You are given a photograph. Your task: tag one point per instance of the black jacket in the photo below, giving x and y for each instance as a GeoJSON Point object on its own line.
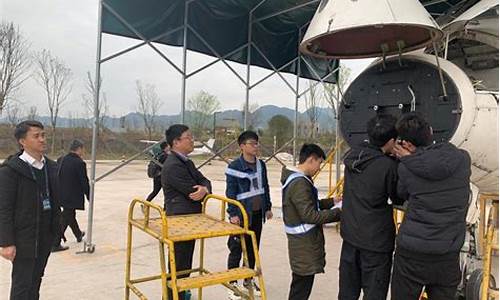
{"type": "Point", "coordinates": [436, 182]}
{"type": "Point", "coordinates": [178, 177]}
{"type": "Point", "coordinates": [74, 182]}
{"type": "Point", "coordinates": [20, 206]}
{"type": "Point", "coordinates": [370, 179]}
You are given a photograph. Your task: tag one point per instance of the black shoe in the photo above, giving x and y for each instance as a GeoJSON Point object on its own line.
{"type": "Point", "coordinates": [250, 283]}
{"type": "Point", "coordinates": [79, 238]}
{"type": "Point", "coordinates": [59, 248]}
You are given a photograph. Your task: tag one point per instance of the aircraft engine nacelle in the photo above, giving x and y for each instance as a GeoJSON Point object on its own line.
{"type": "Point", "coordinates": [462, 115]}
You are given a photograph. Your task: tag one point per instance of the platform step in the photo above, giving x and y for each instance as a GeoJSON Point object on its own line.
{"type": "Point", "coordinates": [214, 278]}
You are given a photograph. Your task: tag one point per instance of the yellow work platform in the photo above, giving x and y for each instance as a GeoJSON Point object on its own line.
{"type": "Point", "coordinates": [169, 230]}
{"type": "Point", "coordinates": [190, 227]}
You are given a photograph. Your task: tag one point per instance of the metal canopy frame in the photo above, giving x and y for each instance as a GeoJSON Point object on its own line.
{"type": "Point", "coordinates": [88, 246]}
{"type": "Point", "coordinates": [182, 70]}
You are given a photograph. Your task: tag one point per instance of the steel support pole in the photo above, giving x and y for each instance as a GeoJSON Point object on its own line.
{"type": "Point", "coordinates": [337, 130]}
{"type": "Point", "coordinates": [247, 88]}
{"type": "Point", "coordinates": [184, 64]}
{"type": "Point", "coordinates": [274, 72]}
{"type": "Point", "coordinates": [88, 247]}
{"type": "Point", "coordinates": [297, 96]}
{"type": "Point", "coordinates": [119, 53]}
{"type": "Point", "coordinates": [274, 68]}
{"type": "Point", "coordinates": [139, 35]}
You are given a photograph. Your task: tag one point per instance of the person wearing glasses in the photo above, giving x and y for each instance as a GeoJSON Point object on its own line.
{"type": "Point", "coordinates": [184, 188]}
{"type": "Point", "coordinates": [246, 181]}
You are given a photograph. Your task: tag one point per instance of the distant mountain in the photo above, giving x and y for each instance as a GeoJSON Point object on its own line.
{"type": "Point", "coordinates": [225, 118]}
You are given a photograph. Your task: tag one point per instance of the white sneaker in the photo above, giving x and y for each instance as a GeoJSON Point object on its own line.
{"type": "Point", "coordinates": [232, 295]}
{"type": "Point", "coordinates": [253, 284]}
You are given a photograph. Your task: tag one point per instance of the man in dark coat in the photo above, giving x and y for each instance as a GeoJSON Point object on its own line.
{"type": "Point", "coordinates": [75, 187]}
{"type": "Point", "coordinates": [367, 225]}
{"type": "Point", "coordinates": [184, 188]}
{"type": "Point", "coordinates": [435, 178]}
{"type": "Point", "coordinates": [29, 210]}
{"type": "Point", "coordinates": [304, 215]}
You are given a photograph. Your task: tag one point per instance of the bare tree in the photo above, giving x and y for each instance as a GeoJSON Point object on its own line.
{"type": "Point", "coordinates": [89, 99]}
{"type": "Point", "coordinates": [55, 78]}
{"type": "Point", "coordinates": [149, 105]}
{"type": "Point", "coordinates": [201, 109]}
{"type": "Point", "coordinates": [312, 102]}
{"type": "Point", "coordinates": [32, 113]}
{"type": "Point", "coordinates": [14, 61]}
{"type": "Point", "coordinates": [13, 113]}
{"type": "Point", "coordinates": [333, 92]}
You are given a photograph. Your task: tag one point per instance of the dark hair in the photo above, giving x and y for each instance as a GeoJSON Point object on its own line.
{"type": "Point", "coordinates": [247, 135]}
{"type": "Point", "coordinates": [75, 144]}
{"type": "Point", "coordinates": [163, 145]}
{"type": "Point", "coordinates": [309, 150]}
{"type": "Point", "coordinates": [23, 128]}
{"type": "Point", "coordinates": [381, 129]}
{"type": "Point", "coordinates": [174, 132]}
{"type": "Point", "coordinates": [413, 127]}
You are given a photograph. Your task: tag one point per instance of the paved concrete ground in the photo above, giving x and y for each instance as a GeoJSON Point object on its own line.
{"type": "Point", "coordinates": [101, 275]}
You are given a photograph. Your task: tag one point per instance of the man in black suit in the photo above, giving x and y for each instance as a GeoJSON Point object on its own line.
{"type": "Point", "coordinates": [184, 188]}
{"type": "Point", "coordinates": [29, 211]}
{"type": "Point", "coordinates": [74, 186]}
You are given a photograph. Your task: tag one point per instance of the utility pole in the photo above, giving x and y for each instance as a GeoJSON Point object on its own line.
{"type": "Point", "coordinates": [215, 119]}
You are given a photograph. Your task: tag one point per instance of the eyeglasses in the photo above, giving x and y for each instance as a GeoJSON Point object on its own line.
{"type": "Point", "coordinates": [255, 144]}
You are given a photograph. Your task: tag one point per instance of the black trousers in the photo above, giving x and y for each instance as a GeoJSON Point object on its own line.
{"type": "Point", "coordinates": [68, 218]}
{"type": "Point", "coordinates": [363, 269]}
{"type": "Point", "coordinates": [301, 287]}
{"type": "Point", "coordinates": [156, 188]}
{"type": "Point", "coordinates": [234, 243]}
{"type": "Point", "coordinates": [439, 277]}
{"type": "Point", "coordinates": [183, 261]}
{"type": "Point", "coordinates": [27, 273]}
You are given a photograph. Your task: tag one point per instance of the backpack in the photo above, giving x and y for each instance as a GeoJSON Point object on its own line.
{"type": "Point", "coordinates": [153, 169]}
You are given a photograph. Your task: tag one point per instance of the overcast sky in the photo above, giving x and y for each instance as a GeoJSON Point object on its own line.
{"type": "Point", "coordinates": [69, 30]}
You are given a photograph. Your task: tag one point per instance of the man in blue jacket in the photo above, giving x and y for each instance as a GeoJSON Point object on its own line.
{"type": "Point", "coordinates": [246, 181]}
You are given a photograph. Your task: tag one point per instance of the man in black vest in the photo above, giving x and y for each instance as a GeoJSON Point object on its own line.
{"type": "Point", "coordinates": [29, 210]}
{"type": "Point", "coordinates": [74, 184]}
{"type": "Point", "coordinates": [184, 188]}
{"type": "Point", "coordinates": [434, 177]}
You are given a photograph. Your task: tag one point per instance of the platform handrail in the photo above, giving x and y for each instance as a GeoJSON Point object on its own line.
{"type": "Point", "coordinates": [224, 201]}
{"type": "Point", "coordinates": [147, 216]}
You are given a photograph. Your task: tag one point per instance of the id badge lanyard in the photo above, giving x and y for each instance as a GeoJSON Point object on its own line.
{"type": "Point", "coordinates": [46, 197]}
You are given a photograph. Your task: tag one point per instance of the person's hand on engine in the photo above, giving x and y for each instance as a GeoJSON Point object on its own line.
{"type": "Point", "coordinates": [403, 148]}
